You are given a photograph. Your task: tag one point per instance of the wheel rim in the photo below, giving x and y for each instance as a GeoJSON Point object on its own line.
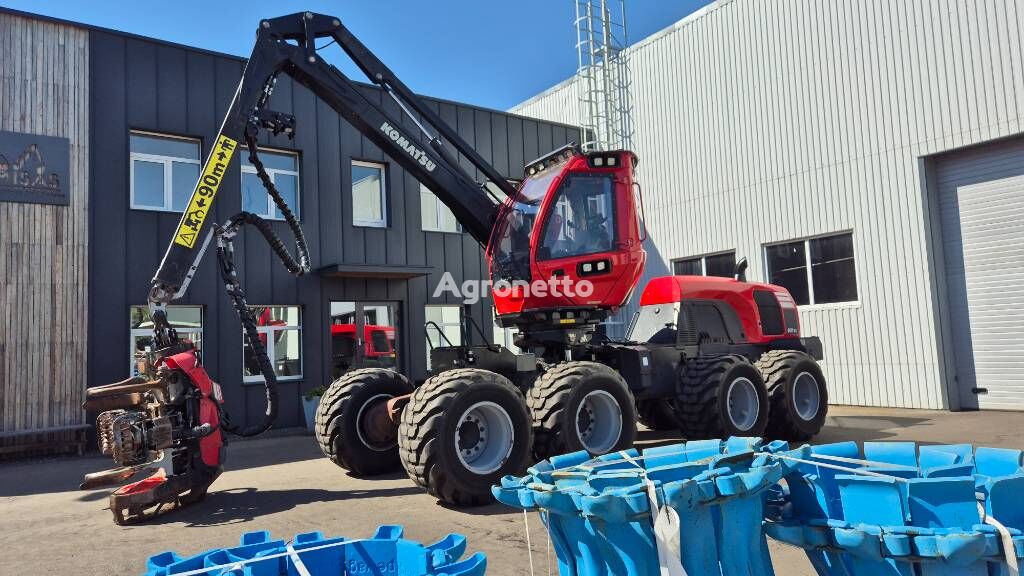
{"type": "Point", "coordinates": [743, 404]}
{"type": "Point", "coordinates": [368, 440]}
{"type": "Point", "coordinates": [806, 396]}
{"type": "Point", "coordinates": [599, 422]}
{"type": "Point", "coordinates": [484, 437]}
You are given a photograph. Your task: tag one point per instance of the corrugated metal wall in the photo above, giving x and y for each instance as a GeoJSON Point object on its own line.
{"type": "Point", "coordinates": [767, 120]}
{"type": "Point", "coordinates": [43, 249]}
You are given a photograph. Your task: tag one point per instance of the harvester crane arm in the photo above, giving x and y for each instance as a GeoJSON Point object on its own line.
{"type": "Point", "coordinates": [287, 45]}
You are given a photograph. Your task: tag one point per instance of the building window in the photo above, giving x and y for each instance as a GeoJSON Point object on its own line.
{"type": "Point", "coordinates": [369, 198]}
{"type": "Point", "coordinates": [280, 330]}
{"type": "Point", "coordinates": [613, 327]}
{"type": "Point", "coordinates": [505, 337]}
{"type": "Point", "coordinates": [164, 171]}
{"type": "Point", "coordinates": [444, 327]}
{"type": "Point", "coordinates": [816, 270]}
{"type": "Point", "coordinates": [187, 320]}
{"type": "Point", "coordinates": [434, 215]}
{"type": "Point", "coordinates": [283, 169]}
{"type": "Point", "coordinates": [722, 265]}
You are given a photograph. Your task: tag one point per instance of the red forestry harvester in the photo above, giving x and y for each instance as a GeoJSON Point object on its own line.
{"type": "Point", "coordinates": [710, 356]}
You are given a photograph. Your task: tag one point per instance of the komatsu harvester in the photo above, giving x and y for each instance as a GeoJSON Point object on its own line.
{"type": "Point", "coordinates": [712, 357]}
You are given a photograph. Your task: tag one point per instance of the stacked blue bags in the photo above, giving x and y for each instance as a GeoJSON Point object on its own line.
{"type": "Point", "coordinates": [900, 509]}
{"type": "Point", "coordinates": [599, 511]}
{"type": "Point", "coordinates": [385, 553]}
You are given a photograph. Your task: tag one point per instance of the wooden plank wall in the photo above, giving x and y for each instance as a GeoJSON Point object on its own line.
{"type": "Point", "coordinates": [43, 249]}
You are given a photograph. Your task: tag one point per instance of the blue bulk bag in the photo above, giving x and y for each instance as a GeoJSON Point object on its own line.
{"type": "Point", "coordinates": [385, 553]}
{"type": "Point", "coordinates": [599, 516]}
{"type": "Point", "coordinates": [901, 509]}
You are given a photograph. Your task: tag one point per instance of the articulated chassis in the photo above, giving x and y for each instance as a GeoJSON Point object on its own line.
{"type": "Point", "coordinates": [586, 392]}
{"type": "Point", "coordinates": [650, 369]}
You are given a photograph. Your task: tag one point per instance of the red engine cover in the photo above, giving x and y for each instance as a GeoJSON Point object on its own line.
{"type": "Point", "coordinates": [738, 295]}
{"type": "Point", "coordinates": [210, 445]}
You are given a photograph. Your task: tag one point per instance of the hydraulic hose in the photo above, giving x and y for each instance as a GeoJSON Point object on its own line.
{"type": "Point", "coordinates": [297, 265]}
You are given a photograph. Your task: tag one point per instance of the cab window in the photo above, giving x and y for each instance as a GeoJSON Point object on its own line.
{"type": "Point", "coordinates": [582, 220]}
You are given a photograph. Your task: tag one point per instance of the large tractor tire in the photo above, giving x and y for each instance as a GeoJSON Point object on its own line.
{"type": "Point", "coordinates": [721, 396]}
{"type": "Point", "coordinates": [581, 406]}
{"type": "Point", "coordinates": [461, 432]}
{"type": "Point", "coordinates": [657, 414]}
{"type": "Point", "coordinates": [351, 403]}
{"type": "Point", "coordinates": [797, 393]}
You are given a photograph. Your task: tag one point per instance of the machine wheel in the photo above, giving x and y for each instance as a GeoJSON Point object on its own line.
{"type": "Point", "coordinates": [461, 432]}
{"type": "Point", "coordinates": [581, 406]}
{"type": "Point", "coordinates": [797, 392]}
{"type": "Point", "coordinates": [657, 414]}
{"type": "Point", "coordinates": [353, 402]}
{"type": "Point", "coordinates": [721, 396]}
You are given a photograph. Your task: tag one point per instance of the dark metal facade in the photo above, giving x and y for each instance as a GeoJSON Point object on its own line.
{"type": "Point", "coordinates": [141, 84]}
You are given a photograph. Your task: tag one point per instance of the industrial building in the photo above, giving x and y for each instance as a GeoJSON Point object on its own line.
{"type": "Point", "coordinates": [869, 156]}
{"type": "Point", "coordinates": [101, 137]}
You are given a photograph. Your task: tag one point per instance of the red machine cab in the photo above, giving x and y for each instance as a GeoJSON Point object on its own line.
{"type": "Point", "coordinates": [573, 231]}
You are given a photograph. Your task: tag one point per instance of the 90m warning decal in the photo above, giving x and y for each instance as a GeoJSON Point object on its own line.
{"type": "Point", "coordinates": [202, 199]}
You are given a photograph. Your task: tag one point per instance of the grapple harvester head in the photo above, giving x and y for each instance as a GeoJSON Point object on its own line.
{"type": "Point", "coordinates": [165, 422]}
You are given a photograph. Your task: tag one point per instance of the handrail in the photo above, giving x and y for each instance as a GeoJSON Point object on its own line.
{"type": "Point", "coordinates": [437, 327]}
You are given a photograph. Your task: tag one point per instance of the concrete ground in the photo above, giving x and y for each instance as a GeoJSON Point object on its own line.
{"type": "Point", "coordinates": [284, 485]}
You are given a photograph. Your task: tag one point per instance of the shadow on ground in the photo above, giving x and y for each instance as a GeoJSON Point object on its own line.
{"type": "Point", "coordinates": [866, 428]}
{"type": "Point", "coordinates": [49, 475]}
{"type": "Point", "coordinates": [241, 505]}
{"type": "Point", "coordinates": [837, 429]}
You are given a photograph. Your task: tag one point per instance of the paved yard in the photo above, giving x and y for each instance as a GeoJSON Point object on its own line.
{"type": "Point", "coordinates": [283, 484]}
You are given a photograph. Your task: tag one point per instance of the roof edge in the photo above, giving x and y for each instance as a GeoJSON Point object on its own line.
{"type": "Point", "coordinates": [690, 18]}
{"type": "Point", "coordinates": [242, 59]}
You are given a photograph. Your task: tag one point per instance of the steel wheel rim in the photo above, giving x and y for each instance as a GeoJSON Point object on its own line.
{"type": "Point", "coordinates": [599, 422]}
{"type": "Point", "coordinates": [743, 404]}
{"type": "Point", "coordinates": [359, 424]}
{"type": "Point", "coordinates": [484, 437]}
{"type": "Point", "coordinates": [806, 396]}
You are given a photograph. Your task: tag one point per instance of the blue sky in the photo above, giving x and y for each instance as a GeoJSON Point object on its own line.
{"type": "Point", "coordinates": [486, 52]}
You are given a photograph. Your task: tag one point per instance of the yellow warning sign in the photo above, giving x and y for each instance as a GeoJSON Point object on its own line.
{"type": "Point", "coordinates": [202, 198]}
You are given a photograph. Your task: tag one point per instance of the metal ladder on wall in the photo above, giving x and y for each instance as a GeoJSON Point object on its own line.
{"type": "Point", "coordinates": [602, 77]}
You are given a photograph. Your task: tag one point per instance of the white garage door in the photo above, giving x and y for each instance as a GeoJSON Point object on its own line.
{"type": "Point", "coordinates": [981, 194]}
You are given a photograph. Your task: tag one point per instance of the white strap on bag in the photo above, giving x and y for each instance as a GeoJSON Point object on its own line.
{"type": "Point", "coordinates": [1009, 551]}
{"type": "Point", "coordinates": [297, 561]}
{"type": "Point", "coordinates": [666, 528]}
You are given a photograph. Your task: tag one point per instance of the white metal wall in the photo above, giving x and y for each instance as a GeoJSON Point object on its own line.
{"type": "Point", "coordinates": [766, 120]}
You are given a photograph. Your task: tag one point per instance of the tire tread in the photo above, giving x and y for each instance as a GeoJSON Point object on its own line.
{"type": "Point", "coordinates": [774, 366]}
{"type": "Point", "coordinates": [422, 423]}
{"type": "Point", "coordinates": [328, 422]}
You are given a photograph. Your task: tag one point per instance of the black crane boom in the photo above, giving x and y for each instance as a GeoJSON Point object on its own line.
{"type": "Point", "coordinates": [288, 45]}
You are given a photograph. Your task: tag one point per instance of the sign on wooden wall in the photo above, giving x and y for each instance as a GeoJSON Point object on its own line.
{"type": "Point", "coordinates": [34, 169]}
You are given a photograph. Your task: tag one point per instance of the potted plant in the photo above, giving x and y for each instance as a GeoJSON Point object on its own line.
{"type": "Point", "coordinates": [310, 401]}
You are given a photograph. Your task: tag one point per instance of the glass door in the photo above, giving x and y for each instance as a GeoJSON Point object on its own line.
{"type": "Point", "coordinates": [363, 335]}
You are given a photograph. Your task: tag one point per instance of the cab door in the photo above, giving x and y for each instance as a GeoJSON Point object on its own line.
{"type": "Point", "coordinates": [587, 247]}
